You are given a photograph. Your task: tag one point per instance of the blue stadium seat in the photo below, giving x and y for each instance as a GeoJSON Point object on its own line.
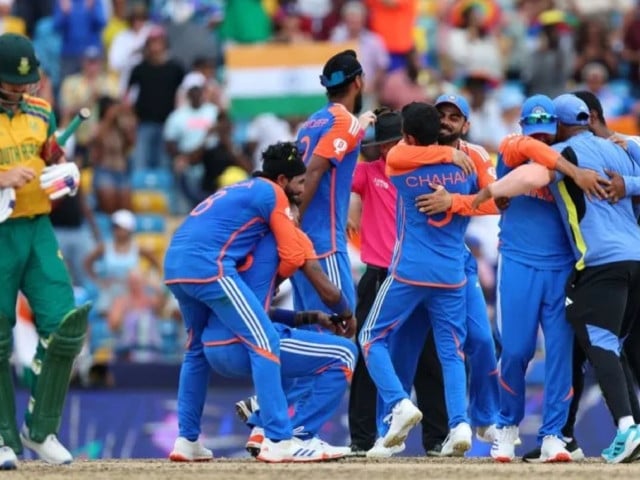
{"type": "Point", "coordinates": [152, 179]}
{"type": "Point", "coordinates": [150, 223]}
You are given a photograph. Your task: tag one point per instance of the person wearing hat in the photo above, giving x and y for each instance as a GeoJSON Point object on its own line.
{"type": "Point", "coordinates": [480, 346]}
{"type": "Point", "coordinates": [34, 264]}
{"type": "Point", "coordinates": [372, 213]}
{"type": "Point", "coordinates": [603, 289]}
{"type": "Point", "coordinates": [201, 270]}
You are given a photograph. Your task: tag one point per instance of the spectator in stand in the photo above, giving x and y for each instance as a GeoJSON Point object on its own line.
{"type": "Point", "coordinates": [595, 77]}
{"type": "Point", "coordinates": [319, 17]}
{"type": "Point", "coordinates": [80, 23]}
{"type": "Point", "coordinates": [592, 44]}
{"type": "Point", "coordinates": [9, 23]}
{"type": "Point", "coordinates": [120, 255]}
{"type": "Point", "coordinates": [245, 21]}
{"type": "Point", "coordinates": [485, 110]}
{"type": "Point", "coordinates": [288, 25]}
{"type": "Point", "coordinates": [547, 69]}
{"type": "Point", "coordinates": [264, 130]}
{"type": "Point", "coordinates": [135, 320]}
{"type": "Point", "coordinates": [223, 160]}
{"type": "Point", "coordinates": [213, 90]}
{"type": "Point", "coordinates": [631, 51]}
{"type": "Point", "coordinates": [109, 152]}
{"type": "Point", "coordinates": [401, 87]}
{"type": "Point", "coordinates": [394, 21]}
{"type": "Point", "coordinates": [127, 48]}
{"type": "Point", "coordinates": [83, 90]}
{"type": "Point", "coordinates": [189, 130]}
{"type": "Point", "coordinates": [371, 50]}
{"type": "Point", "coordinates": [31, 11]}
{"type": "Point", "coordinates": [116, 24]}
{"type": "Point", "coordinates": [152, 89]}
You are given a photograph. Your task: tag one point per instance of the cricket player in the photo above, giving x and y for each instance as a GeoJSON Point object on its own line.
{"type": "Point", "coordinates": [603, 291]}
{"type": "Point", "coordinates": [201, 271]}
{"type": "Point", "coordinates": [480, 347]}
{"type": "Point", "coordinates": [330, 139]}
{"type": "Point", "coordinates": [31, 262]}
{"type": "Point", "coordinates": [427, 272]}
{"type": "Point", "coordinates": [329, 359]}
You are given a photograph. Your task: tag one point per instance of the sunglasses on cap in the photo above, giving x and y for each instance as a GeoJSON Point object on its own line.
{"type": "Point", "coordinates": [538, 118]}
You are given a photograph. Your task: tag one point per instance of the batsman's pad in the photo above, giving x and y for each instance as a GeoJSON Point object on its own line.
{"type": "Point", "coordinates": [53, 381]}
{"type": "Point", "coordinates": [60, 180]}
{"type": "Point", "coordinates": [8, 427]}
{"type": "Point", "coordinates": [7, 202]}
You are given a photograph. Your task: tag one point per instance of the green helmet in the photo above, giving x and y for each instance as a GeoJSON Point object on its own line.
{"type": "Point", "coordinates": [18, 62]}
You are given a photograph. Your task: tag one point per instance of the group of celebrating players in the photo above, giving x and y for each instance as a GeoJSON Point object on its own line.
{"type": "Point", "coordinates": [569, 263]}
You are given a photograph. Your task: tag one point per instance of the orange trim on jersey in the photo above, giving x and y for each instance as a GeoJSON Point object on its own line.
{"type": "Point", "coordinates": [403, 158]}
{"type": "Point", "coordinates": [222, 343]}
{"type": "Point", "coordinates": [428, 284]}
{"type": "Point", "coordinates": [504, 385]}
{"type": "Point", "coordinates": [37, 101]}
{"type": "Point", "coordinates": [232, 237]}
{"type": "Point", "coordinates": [248, 262]}
{"type": "Point", "coordinates": [342, 137]}
{"type": "Point", "coordinates": [462, 205]}
{"type": "Point", "coordinates": [348, 373]}
{"type": "Point", "coordinates": [519, 149]}
{"type": "Point", "coordinates": [569, 395]}
{"type": "Point", "coordinates": [384, 333]}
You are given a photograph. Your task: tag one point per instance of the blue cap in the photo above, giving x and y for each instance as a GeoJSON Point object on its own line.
{"type": "Point", "coordinates": [538, 116]}
{"type": "Point", "coordinates": [457, 100]}
{"type": "Point", "coordinates": [571, 110]}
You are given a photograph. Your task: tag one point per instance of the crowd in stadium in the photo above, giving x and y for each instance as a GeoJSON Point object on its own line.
{"type": "Point", "coordinates": [163, 133]}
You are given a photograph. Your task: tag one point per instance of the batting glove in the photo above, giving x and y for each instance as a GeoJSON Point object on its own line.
{"type": "Point", "coordinates": [60, 180]}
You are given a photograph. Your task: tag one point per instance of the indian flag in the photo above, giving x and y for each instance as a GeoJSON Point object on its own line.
{"type": "Point", "coordinates": [281, 79]}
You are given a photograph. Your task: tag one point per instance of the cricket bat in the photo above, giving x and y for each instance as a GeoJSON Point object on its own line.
{"type": "Point", "coordinates": [52, 148]}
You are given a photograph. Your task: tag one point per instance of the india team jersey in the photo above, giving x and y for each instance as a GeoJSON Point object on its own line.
{"type": "Point", "coordinates": [332, 133]}
{"type": "Point", "coordinates": [430, 250]}
{"type": "Point", "coordinates": [600, 232]}
{"type": "Point", "coordinates": [224, 229]}
{"type": "Point", "coordinates": [531, 229]}
{"type": "Point", "coordinates": [22, 136]}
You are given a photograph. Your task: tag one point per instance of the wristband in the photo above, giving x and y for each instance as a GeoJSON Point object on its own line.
{"type": "Point", "coordinates": [342, 307]}
{"type": "Point", "coordinates": [281, 315]}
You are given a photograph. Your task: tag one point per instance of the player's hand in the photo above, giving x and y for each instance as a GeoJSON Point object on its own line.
{"type": "Point", "coordinates": [347, 328]}
{"type": "Point", "coordinates": [16, 177]}
{"type": "Point", "coordinates": [367, 119]}
{"type": "Point", "coordinates": [592, 184]}
{"type": "Point", "coordinates": [618, 140]}
{"type": "Point", "coordinates": [326, 321]}
{"type": "Point", "coordinates": [502, 203]}
{"type": "Point", "coordinates": [437, 202]}
{"type": "Point", "coordinates": [617, 189]}
{"type": "Point", "coordinates": [463, 161]}
{"type": "Point", "coordinates": [482, 196]}
{"type": "Point", "coordinates": [352, 228]}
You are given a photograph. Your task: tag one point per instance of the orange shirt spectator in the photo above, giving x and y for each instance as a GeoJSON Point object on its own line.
{"type": "Point", "coordinates": [394, 21]}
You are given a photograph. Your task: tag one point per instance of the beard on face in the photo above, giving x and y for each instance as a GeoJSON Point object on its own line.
{"type": "Point", "coordinates": [448, 137]}
{"type": "Point", "coordinates": [294, 198]}
{"type": "Point", "coordinates": [357, 105]}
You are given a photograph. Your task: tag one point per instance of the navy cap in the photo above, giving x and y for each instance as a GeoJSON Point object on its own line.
{"type": "Point", "coordinates": [457, 101]}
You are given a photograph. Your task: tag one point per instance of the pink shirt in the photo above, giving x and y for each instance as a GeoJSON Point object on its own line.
{"type": "Point", "coordinates": [378, 222]}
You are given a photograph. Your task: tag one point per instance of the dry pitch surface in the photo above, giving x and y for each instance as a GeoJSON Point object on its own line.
{"type": "Point", "coordinates": [352, 469]}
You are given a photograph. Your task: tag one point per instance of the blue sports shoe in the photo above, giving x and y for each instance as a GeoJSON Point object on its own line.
{"type": "Point", "coordinates": [625, 447]}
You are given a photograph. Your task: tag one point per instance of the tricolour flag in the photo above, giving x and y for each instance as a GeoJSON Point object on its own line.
{"type": "Point", "coordinates": [281, 79]}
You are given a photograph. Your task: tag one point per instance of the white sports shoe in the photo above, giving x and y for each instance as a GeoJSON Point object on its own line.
{"type": "Point", "coordinates": [277, 452]}
{"type": "Point", "coordinates": [553, 450]}
{"type": "Point", "coordinates": [404, 416]}
{"type": "Point", "coordinates": [458, 442]}
{"type": "Point", "coordinates": [254, 443]}
{"type": "Point", "coordinates": [8, 459]}
{"type": "Point", "coordinates": [315, 449]}
{"type": "Point", "coordinates": [503, 448]}
{"type": "Point", "coordinates": [380, 451]}
{"type": "Point", "coordinates": [50, 451]}
{"type": "Point", "coordinates": [486, 434]}
{"type": "Point", "coordinates": [187, 451]}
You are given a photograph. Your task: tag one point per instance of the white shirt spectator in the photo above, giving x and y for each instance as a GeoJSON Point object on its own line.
{"type": "Point", "coordinates": [265, 130]}
{"type": "Point", "coordinates": [126, 52]}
